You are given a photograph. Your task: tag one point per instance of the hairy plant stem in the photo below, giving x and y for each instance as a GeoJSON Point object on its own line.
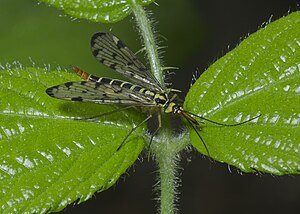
{"type": "Point", "coordinates": [165, 149]}
{"type": "Point", "coordinates": [167, 163]}
{"type": "Point", "coordinates": [167, 156]}
{"type": "Point", "coordinates": [145, 29]}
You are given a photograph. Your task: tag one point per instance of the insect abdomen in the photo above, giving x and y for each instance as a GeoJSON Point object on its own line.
{"type": "Point", "coordinates": [114, 82]}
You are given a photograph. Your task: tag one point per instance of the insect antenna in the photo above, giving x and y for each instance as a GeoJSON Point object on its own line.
{"type": "Point", "coordinates": [222, 124]}
{"type": "Point", "coordinates": [193, 126]}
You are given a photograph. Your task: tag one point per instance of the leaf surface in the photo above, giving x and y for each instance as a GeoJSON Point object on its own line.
{"type": "Point", "coordinates": [260, 76]}
{"type": "Point", "coordinates": [48, 159]}
{"type": "Point", "coordinates": [105, 11]}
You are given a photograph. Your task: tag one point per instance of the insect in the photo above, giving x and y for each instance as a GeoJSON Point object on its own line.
{"type": "Point", "coordinates": [143, 90]}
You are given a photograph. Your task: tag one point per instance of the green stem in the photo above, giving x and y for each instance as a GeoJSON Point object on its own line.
{"type": "Point", "coordinates": [167, 156]}
{"type": "Point", "coordinates": [167, 163]}
{"type": "Point", "coordinates": [145, 29]}
{"type": "Point", "coordinates": [165, 148]}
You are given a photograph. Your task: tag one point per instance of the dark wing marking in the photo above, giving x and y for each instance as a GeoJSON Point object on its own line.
{"type": "Point", "coordinates": [99, 92]}
{"type": "Point", "coordinates": [113, 53]}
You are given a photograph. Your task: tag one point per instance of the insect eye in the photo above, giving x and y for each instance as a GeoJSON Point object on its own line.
{"type": "Point", "coordinates": [176, 108]}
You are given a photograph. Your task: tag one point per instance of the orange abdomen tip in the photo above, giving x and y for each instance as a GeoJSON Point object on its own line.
{"type": "Point", "coordinates": [83, 75]}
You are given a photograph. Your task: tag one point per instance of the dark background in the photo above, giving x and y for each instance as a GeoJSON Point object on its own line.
{"type": "Point", "coordinates": [198, 33]}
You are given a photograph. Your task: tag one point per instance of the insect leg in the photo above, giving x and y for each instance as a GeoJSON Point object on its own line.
{"type": "Point", "coordinates": [154, 133]}
{"type": "Point", "coordinates": [156, 130]}
{"type": "Point", "coordinates": [132, 130]}
{"type": "Point", "coordinates": [106, 113]}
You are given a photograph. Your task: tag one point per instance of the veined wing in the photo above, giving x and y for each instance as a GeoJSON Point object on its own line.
{"type": "Point", "coordinates": [113, 53]}
{"type": "Point", "coordinates": [108, 91]}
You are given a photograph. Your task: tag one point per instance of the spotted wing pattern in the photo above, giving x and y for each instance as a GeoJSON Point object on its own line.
{"type": "Point", "coordinates": [113, 53]}
{"type": "Point", "coordinates": [111, 92]}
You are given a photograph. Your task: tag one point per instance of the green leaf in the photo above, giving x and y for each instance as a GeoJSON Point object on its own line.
{"type": "Point", "coordinates": [261, 75]}
{"type": "Point", "coordinates": [105, 11]}
{"type": "Point", "coordinates": [48, 159]}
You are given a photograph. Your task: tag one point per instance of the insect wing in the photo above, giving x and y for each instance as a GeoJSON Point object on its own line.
{"type": "Point", "coordinates": [113, 53]}
{"type": "Point", "coordinates": [97, 92]}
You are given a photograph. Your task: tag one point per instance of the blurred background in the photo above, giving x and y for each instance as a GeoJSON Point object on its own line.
{"type": "Point", "coordinates": [195, 33]}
